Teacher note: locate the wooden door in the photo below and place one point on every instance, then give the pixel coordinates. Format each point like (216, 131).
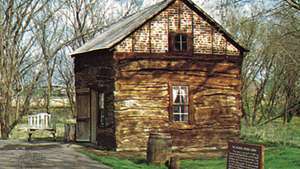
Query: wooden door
(83, 106)
(94, 111)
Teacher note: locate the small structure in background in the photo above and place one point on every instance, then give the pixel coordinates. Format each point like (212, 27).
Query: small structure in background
(40, 121)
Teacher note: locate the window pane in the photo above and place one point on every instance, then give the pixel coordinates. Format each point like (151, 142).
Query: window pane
(175, 95)
(177, 45)
(176, 109)
(184, 90)
(183, 38)
(177, 99)
(102, 119)
(185, 118)
(182, 99)
(182, 109)
(184, 47)
(101, 100)
(186, 109)
(176, 117)
(177, 38)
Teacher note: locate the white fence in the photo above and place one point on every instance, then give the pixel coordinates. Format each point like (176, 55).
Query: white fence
(39, 121)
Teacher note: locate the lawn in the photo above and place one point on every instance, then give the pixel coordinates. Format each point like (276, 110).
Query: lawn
(118, 163)
(282, 144)
(275, 158)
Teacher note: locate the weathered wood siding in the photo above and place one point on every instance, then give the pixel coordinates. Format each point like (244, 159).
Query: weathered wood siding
(153, 36)
(142, 101)
(95, 70)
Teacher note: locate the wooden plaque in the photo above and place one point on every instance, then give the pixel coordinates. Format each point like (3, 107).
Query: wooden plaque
(245, 156)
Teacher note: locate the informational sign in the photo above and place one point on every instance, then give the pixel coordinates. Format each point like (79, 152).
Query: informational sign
(245, 156)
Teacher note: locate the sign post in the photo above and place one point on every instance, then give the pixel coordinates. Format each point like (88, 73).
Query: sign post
(245, 156)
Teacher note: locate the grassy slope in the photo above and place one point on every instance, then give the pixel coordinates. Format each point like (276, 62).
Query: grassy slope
(282, 150)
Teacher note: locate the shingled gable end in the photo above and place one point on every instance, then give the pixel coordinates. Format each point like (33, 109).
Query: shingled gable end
(168, 68)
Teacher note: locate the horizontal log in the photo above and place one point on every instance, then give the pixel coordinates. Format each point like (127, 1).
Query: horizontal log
(187, 66)
(142, 114)
(124, 57)
(134, 93)
(202, 92)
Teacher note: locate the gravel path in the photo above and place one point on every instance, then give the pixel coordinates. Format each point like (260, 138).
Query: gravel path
(18, 155)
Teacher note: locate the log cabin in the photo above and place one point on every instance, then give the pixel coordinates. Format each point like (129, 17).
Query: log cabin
(167, 68)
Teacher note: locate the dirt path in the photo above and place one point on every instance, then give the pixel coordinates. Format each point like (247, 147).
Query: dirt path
(17, 155)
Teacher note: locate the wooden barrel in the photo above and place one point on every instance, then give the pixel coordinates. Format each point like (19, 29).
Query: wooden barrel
(174, 163)
(159, 148)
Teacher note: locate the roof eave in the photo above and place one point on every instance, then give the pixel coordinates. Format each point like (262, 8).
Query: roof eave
(89, 51)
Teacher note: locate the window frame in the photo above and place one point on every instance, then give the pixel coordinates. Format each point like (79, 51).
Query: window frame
(188, 104)
(183, 44)
(172, 42)
(101, 116)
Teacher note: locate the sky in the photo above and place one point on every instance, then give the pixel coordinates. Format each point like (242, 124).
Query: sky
(209, 6)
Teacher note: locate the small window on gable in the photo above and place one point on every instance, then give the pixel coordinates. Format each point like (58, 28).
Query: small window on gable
(180, 42)
(180, 103)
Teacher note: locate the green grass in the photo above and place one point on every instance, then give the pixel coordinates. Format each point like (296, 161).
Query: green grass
(282, 158)
(219, 163)
(282, 144)
(118, 163)
(275, 158)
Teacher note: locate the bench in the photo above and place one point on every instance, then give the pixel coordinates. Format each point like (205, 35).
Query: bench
(40, 121)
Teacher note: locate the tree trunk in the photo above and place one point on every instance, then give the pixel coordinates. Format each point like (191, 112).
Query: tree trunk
(4, 132)
(0, 129)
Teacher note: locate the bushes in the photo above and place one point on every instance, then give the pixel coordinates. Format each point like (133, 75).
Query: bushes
(275, 133)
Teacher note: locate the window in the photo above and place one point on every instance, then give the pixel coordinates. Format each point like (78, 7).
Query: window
(180, 42)
(101, 112)
(180, 103)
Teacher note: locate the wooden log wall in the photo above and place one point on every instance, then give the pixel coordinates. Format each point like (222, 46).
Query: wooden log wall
(95, 70)
(142, 102)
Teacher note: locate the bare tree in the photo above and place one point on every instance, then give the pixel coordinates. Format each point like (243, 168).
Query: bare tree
(294, 3)
(270, 71)
(15, 60)
(84, 19)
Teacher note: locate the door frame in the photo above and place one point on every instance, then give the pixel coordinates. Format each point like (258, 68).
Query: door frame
(93, 115)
